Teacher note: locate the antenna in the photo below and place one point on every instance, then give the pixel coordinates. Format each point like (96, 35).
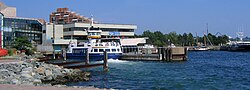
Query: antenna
(92, 21)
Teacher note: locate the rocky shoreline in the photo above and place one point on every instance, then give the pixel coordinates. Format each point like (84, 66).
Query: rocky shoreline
(26, 70)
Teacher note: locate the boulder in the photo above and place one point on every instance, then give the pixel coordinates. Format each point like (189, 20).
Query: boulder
(40, 70)
(48, 72)
(15, 81)
(37, 81)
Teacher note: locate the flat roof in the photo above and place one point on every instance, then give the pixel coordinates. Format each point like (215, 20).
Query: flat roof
(25, 19)
(101, 25)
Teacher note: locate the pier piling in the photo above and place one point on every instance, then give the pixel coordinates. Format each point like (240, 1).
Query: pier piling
(105, 62)
(87, 57)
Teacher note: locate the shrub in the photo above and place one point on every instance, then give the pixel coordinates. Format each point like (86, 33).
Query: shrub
(10, 52)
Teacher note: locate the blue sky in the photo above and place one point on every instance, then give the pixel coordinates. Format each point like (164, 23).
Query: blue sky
(224, 16)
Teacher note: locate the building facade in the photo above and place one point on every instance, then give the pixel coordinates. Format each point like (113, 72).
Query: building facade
(61, 34)
(63, 16)
(13, 27)
(20, 27)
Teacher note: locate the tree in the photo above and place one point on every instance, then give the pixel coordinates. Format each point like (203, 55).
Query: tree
(23, 43)
(185, 39)
(173, 37)
(190, 39)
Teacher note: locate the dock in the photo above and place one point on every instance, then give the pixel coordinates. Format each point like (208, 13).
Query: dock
(163, 54)
(79, 63)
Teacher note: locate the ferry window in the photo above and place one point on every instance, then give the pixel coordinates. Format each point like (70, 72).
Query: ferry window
(100, 44)
(118, 50)
(108, 50)
(95, 50)
(101, 50)
(113, 50)
(78, 51)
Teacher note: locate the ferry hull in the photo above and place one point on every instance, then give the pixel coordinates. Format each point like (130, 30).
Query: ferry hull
(93, 56)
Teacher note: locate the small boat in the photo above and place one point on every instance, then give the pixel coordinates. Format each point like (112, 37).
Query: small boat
(201, 48)
(95, 47)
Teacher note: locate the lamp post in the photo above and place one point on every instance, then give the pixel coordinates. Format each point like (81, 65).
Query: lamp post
(53, 39)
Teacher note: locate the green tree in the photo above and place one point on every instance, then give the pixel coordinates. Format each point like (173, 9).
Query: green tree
(160, 38)
(23, 43)
(173, 37)
(190, 39)
(185, 39)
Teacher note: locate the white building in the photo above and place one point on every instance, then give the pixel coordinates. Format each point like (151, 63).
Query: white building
(59, 35)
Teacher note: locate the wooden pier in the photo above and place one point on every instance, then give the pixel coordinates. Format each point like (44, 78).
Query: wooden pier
(79, 63)
(163, 54)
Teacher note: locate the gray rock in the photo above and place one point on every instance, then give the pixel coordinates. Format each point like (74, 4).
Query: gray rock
(38, 76)
(56, 72)
(37, 81)
(48, 78)
(40, 70)
(26, 76)
(4, 73)
(48, 72)
(27, 69)
(15, 81)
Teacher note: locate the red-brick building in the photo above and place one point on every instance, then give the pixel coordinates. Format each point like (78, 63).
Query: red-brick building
(64, 16)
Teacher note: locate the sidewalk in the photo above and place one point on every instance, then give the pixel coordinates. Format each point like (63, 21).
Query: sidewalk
(29, 87)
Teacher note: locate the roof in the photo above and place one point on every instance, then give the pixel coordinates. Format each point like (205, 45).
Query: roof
(39, 20)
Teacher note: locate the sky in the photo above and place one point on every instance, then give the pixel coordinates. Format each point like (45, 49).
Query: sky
(180, 16)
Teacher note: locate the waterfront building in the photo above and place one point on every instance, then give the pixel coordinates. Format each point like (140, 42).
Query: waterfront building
(62, 30)
(12, 27)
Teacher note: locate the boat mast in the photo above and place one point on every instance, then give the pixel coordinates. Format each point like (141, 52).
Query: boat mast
(205, 42)
(196, 39)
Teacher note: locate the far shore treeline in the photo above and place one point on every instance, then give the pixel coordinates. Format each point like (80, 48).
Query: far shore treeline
(186, 39)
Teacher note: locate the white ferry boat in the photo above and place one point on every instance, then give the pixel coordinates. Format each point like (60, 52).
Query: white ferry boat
(95, 46)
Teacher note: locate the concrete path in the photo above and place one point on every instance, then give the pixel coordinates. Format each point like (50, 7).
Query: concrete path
(29, 87)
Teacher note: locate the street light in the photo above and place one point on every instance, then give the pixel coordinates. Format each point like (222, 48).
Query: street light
(53, 39)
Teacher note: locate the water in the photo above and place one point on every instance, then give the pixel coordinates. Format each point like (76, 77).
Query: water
(203, 70)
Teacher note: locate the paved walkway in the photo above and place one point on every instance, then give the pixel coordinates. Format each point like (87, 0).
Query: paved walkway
(29, 87)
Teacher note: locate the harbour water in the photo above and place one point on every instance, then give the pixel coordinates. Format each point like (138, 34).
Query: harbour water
(203, 70)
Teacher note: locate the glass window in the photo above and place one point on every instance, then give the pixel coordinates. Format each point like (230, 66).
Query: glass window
(113, 50)
(108, 50)
(95, 50)
(101, 50)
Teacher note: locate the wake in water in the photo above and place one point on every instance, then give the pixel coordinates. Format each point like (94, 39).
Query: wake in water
(116, 61)
(112, 61)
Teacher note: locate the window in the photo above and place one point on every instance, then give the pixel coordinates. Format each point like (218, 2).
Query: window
(108, 50)
(101, 50)
(118, 50)
(113, 50)
(95, 50)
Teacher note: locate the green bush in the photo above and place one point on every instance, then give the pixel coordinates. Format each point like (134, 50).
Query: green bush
(10, 52)
(29, 52)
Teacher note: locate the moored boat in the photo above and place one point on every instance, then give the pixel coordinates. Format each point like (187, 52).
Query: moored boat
(95, 47)
(239, 46)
